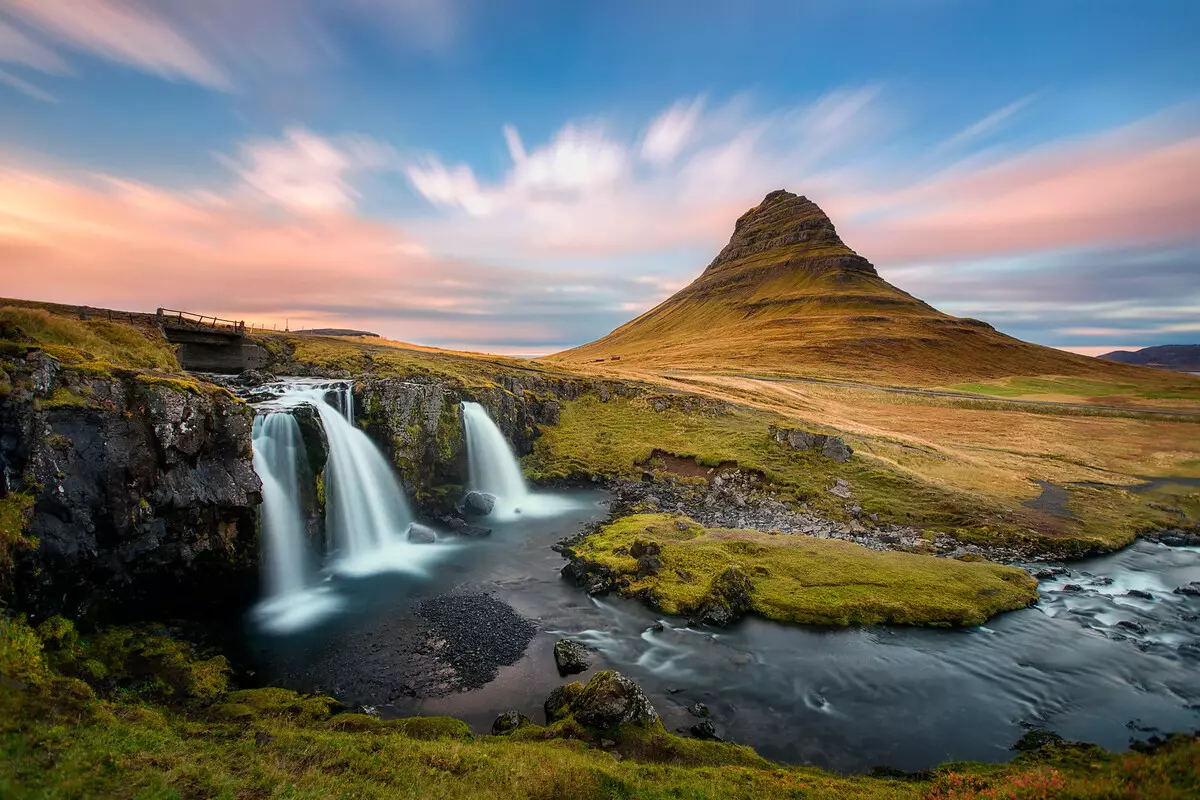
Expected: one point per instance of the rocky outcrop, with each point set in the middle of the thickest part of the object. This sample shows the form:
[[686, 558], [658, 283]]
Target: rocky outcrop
[[607, 701], [728, 598], [832, 447], [143, 490]]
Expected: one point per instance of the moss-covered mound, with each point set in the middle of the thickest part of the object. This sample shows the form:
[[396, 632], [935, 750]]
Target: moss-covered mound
[[679, 567]]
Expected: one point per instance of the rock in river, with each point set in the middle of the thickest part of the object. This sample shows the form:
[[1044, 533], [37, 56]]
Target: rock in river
[[508, 722], [571, 657], [421, 534], [479, 503]]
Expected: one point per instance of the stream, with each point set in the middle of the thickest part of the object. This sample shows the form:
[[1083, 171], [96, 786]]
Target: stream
[[1089, 661]]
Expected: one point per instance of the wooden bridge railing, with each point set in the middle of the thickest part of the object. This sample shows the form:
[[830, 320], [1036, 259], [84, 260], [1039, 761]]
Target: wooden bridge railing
[[172, 315]]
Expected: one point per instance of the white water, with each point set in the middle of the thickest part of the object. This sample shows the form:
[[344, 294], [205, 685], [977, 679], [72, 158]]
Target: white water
[[366, 512], [494, 470], [291, 600]]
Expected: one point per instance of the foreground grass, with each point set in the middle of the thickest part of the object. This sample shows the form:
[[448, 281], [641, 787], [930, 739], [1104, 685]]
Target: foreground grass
[[799, 579], [154, 719]]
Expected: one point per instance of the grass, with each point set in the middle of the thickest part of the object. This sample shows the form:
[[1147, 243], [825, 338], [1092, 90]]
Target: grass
[[94, 344], [924, 468], [1174, 387], [799, 579], [63, 737], [383, 358]]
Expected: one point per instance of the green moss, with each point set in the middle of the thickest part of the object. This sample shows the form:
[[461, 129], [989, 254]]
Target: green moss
[[274, 702], [21, 655], [65, 398], [16, 511], [800, 579], [428, 728]]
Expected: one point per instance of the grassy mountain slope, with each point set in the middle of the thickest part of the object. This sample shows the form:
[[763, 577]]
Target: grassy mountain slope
[[787, 297]]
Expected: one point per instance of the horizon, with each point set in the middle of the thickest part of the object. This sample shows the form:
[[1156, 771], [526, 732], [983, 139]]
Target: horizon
[[521, 180]]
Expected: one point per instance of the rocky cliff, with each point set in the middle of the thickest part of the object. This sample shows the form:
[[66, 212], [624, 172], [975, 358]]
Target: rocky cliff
[[123, 489]]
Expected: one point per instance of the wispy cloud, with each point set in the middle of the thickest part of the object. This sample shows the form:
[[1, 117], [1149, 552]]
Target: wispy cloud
[[25, 87], [219, 44], [986, 125]]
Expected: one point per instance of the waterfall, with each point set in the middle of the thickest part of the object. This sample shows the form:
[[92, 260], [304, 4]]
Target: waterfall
[[291, 599], [366, 512], [278, 449], [494, 470], [493, 467]]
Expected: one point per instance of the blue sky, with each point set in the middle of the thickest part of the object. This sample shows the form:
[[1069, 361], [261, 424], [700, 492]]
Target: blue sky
[[524, 176]]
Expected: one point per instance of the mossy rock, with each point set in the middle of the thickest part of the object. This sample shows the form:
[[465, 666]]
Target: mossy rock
[[429, 728], [276, 702], [354, 723]]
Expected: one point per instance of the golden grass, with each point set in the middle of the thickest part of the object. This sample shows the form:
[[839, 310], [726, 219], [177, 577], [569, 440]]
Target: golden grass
[[94, 343]]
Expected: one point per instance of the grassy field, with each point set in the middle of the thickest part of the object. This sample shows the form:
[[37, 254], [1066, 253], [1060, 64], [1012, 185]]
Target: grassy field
[[798, 579], [96, 343], [965, 472], [138, 714]]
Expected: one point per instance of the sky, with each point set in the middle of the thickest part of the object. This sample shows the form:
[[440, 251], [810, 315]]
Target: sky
[[520, 177]]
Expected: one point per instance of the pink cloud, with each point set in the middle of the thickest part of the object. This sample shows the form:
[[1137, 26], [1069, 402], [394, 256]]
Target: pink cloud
[[1108, 190]]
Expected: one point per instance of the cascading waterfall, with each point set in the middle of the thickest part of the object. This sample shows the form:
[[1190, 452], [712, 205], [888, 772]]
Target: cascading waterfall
[[367, 514], [278, 449], [292, 600], [493, 467], [494, 470]]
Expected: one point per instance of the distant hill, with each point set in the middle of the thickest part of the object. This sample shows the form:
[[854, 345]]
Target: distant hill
[[1177, 357], [787, 297], [337, 332]]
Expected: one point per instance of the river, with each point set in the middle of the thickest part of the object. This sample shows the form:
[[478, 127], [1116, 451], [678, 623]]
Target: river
[[847, 700]]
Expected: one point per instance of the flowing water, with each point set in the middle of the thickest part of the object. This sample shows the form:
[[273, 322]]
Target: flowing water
[[494, 470], [1091, 661]]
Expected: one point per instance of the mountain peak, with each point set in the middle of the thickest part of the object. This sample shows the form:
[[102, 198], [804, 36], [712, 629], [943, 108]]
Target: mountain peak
[[794, 226]]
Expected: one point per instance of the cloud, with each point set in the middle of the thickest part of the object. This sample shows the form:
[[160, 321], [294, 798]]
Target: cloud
[[306, 172], [25, 87], [987, 124], [218, 44], [669, 133]]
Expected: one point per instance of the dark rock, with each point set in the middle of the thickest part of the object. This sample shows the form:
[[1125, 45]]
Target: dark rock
[[729, 598], [641, 547], [1072, 587], [705, 730], [1102, 581], [698, 710], [592, 578], [571, 657], [508, 722], [479, 503], [1139, 593], [611, 699], [421, 534], [144, 493], [1191, 590], [837, 450], [657, 627], [1130, 625], [648, 565]]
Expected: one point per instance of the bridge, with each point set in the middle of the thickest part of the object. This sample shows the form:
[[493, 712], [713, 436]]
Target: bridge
[[210, 344]]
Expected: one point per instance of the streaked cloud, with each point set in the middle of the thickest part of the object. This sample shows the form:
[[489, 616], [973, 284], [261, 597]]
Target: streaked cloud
[[218, 44], [987, 124], [25, 87]]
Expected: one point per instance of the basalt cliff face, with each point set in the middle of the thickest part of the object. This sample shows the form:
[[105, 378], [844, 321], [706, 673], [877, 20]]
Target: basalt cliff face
[[123, 491], [787, 297]]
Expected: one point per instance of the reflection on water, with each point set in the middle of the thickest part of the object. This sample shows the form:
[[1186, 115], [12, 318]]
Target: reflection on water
[[1090, 661]]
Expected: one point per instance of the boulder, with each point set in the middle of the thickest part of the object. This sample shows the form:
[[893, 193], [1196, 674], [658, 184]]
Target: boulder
[[1143, 595], [571, 657], [479, 503], [729, 598], [508, 722], [559, 704], [836, 449], [611, 699], [698, 710], [704, 730], [1191, 590], [840, 489], [421, 534], [648, 565], [641, 547]]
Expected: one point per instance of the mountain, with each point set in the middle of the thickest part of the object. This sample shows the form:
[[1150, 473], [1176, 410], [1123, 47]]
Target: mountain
[[787, 297], [1177, 357]]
